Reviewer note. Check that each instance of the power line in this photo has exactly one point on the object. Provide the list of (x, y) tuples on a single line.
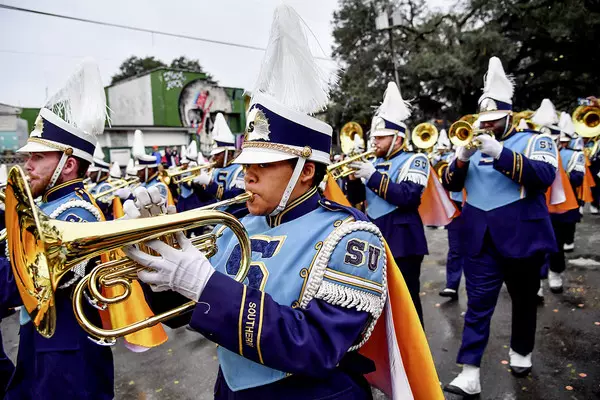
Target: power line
[(133, 28)]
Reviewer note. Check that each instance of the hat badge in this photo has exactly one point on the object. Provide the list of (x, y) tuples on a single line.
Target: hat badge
[(488, 105), (257, 127)]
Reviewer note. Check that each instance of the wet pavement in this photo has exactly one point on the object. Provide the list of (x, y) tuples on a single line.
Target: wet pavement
[(566, 359)]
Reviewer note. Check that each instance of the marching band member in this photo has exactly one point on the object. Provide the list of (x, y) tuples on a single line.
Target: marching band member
[(99, 173), (60, 149), (315, 288), (227, 178), (147, 168), (506, 229), (392, 187), (573, 162)]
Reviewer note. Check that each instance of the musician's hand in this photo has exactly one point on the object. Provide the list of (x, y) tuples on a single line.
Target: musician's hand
[(489, 145), (123, 193), (202, 179), (363, 170), (184, 270), (464, 154), (148, 203)]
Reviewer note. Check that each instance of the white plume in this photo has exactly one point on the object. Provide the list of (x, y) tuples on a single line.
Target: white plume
[(545, 115), (566, 124), (98, 153), (496, 84), (183, 151), (138, 149), (221, 131), (115, 170), (192, 151), (82, 102), (394, 108), (289, 72)]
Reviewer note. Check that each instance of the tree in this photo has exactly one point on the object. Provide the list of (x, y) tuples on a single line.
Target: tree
[(191, 65), (547, 46), (134, 66)]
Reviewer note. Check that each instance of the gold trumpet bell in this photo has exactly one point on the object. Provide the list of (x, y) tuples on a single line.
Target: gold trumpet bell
[(587, 121), (424, 135), (43, 250), (460, 133)]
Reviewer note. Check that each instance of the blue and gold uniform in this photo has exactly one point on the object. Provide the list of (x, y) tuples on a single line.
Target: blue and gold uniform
[(68, 365), (80, 369), (393, 195)]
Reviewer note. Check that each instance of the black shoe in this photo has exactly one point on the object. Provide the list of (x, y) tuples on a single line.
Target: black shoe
[(556, 290), (520, 372), (456, 390), (451, 293)]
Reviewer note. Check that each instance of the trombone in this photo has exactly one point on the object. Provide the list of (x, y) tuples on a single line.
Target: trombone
[(174, 175), (116, 185), (42, 251)]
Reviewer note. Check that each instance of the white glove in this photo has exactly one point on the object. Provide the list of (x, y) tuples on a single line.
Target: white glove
[(123, 193), (202, 179), (184, 270), (148, 203), (363, 169), (489, 145), (463, 153)]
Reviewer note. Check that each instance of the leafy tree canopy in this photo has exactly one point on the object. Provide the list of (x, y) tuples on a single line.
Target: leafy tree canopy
[(133, 66)]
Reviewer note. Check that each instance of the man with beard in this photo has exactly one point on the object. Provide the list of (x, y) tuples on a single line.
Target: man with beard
[(67, 365)]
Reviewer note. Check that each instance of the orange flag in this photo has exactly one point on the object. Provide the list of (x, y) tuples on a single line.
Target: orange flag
[(560, 197), (584, 192), (436, 209), (133, 309), (404, 365)]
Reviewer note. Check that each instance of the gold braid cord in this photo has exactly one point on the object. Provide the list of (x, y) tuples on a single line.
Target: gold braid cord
[(65, 149), (304, 153)]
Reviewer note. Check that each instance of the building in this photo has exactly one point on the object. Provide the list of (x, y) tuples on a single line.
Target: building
[(171, 106)]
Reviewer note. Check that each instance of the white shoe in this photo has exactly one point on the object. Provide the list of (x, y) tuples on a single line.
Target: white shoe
[(466, 383), (555, 282), (569, 246), (520, 365), (593, 210), (540, 293)]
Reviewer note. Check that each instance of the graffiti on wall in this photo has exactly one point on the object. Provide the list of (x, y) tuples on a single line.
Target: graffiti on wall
[(199, 103), (173, 79)]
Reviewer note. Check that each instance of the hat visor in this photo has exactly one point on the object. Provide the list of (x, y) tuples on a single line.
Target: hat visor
[(487, 116), (387, 132), (261, 156), (35, 147), (218, 150)]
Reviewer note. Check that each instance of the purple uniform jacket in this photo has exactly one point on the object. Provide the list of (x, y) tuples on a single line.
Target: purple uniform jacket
[(519, 229)]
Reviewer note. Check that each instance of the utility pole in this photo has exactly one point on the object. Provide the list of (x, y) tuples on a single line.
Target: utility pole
[(385, 21)]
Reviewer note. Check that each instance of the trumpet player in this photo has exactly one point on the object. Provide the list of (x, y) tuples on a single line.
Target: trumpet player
[(226, 179), (289, 333), (60, 149), (393, 187), (506, 229)]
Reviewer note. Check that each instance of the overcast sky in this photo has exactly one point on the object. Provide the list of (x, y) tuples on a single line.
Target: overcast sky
[(39, 52)]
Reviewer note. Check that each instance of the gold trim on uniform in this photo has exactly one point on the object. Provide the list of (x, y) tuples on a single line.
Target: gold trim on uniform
[(60, 186), (260, 324), (242, 305)]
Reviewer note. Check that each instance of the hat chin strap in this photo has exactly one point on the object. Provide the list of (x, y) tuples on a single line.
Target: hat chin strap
[(290, 187), (392, 144), (57, 171)]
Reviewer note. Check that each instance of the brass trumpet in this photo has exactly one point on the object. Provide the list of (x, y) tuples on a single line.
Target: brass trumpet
[(424, 135), (586, 119), (462, 133), (42, 251), (120, 184), (342, 169), (174, 175)]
